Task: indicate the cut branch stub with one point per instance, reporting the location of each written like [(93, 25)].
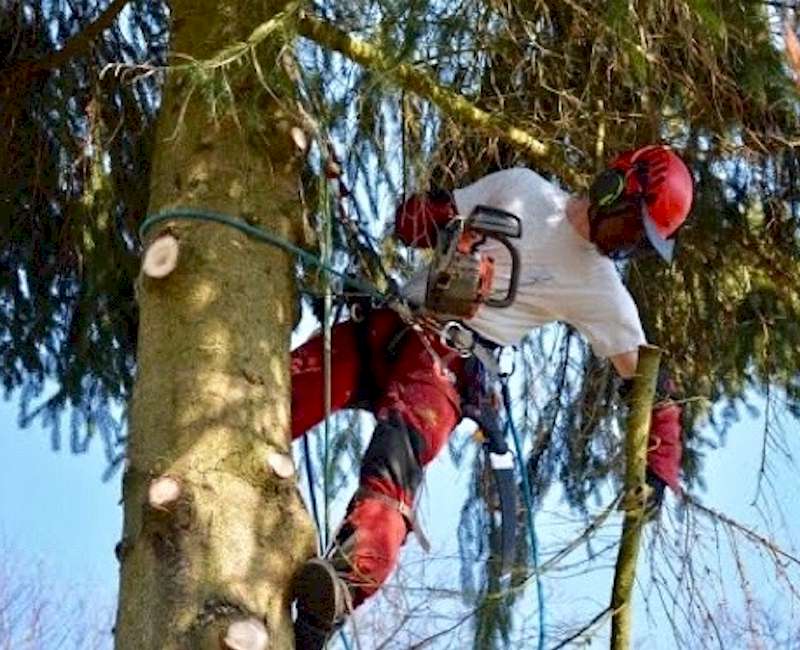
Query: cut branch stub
[(122, 549), (161, 257), (247, 634), (281, 464), (332, 169), (164, 493), (299, 138)]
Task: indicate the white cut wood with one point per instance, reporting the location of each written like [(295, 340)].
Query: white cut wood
[(248, 634), (299, 138), (161, 257), (163, 493), (281, 464)]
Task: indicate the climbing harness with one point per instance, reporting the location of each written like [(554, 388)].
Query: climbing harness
[(468, 343)]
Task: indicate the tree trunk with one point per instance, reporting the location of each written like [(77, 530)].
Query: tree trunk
[(214, 525)]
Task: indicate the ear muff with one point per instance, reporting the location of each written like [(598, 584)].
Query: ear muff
[(608, 200), (607, 189)]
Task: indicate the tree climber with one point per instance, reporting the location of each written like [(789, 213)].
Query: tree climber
[(415, 383)]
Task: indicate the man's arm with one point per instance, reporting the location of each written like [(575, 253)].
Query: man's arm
[(418, 219), (625, 363)]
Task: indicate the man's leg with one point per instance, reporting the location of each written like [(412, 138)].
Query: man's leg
[(353, 375), (308, 378), (359, 367), (416, 413)]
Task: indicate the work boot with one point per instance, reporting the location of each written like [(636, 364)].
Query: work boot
[(322, 598)]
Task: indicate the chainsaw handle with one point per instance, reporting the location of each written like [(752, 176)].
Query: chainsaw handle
[(513, 282)]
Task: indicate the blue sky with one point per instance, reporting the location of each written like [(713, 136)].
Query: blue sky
[(55, 509)]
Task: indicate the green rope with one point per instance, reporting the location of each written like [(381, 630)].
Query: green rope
[(259, 234), (527, 497)]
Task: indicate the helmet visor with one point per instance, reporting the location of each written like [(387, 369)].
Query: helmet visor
[(663, 246)]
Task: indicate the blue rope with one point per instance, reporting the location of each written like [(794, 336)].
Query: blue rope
[(343, 637), (527, 496), (259, 234)]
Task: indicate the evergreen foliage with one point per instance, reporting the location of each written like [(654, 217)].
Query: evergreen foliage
[(75, 160), (587, 79)]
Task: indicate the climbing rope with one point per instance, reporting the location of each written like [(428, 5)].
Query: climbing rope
[(312, 493), (262, 235), (527, 496), (326, 241)]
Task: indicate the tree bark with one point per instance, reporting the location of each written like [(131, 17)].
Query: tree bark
[(636, 436), (213, 531)]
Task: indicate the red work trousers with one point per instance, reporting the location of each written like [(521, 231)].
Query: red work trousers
[(414, 395)]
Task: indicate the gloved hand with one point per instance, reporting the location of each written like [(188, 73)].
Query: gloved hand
[(418, 219), (655, 496), (664, 445)]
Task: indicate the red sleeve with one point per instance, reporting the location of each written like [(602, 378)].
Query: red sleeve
[(664, 446), (418, 219)]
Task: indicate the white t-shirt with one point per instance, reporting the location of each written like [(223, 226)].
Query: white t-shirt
[(562, 276)]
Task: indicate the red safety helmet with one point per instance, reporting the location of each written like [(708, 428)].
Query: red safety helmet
[(657, 180)]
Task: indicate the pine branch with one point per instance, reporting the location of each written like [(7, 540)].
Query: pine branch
[(420, 82), (404, 75), (582, 631), (748, 533)]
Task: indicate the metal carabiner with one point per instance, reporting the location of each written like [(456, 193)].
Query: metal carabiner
[(453, 334), (504, 375), (357, 314)]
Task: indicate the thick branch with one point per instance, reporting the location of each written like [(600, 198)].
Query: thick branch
[(638, 428), (422, 83), (79, 44)]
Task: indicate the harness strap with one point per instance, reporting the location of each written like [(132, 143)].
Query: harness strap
[(401, 507), (469, 343)]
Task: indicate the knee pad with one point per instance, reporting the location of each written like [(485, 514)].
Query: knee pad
[(394, 455)]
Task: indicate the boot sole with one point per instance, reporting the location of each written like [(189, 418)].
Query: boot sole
[(319, 601)]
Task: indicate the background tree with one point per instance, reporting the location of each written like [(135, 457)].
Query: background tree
[(34, 614)]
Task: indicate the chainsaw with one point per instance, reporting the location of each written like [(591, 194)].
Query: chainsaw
[(460, 278)]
